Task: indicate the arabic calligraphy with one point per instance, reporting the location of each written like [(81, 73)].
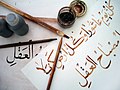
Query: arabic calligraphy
[(107, 54), (88, 29), (46, 67), (22, 53), (117, 32), (86, 69), (113, 48)]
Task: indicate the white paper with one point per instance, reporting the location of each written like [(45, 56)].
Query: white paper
[(89, 60)]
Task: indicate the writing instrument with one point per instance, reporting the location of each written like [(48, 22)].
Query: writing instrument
[(34, 19), (45, 19), (27, 43), (54, 65)]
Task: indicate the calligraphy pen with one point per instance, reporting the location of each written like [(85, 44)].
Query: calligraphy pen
[(54, 65), (34, 19), (27, 43), (53, 20)]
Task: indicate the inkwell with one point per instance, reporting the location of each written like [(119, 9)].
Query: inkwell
[(67, 15), (17, 24), (4, 30)]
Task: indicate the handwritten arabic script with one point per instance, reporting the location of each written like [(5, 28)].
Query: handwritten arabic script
[(87, 30), (26, 52), (99, 49)]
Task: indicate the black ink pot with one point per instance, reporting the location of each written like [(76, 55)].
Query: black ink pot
[(17, 24), (66, 17), (4, 30)]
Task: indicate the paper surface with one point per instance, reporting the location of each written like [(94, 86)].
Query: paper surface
[(43, 61), (89, 60)]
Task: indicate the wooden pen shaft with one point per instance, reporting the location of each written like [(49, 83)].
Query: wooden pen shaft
[(53, 20), (34, 19), (54, 65)]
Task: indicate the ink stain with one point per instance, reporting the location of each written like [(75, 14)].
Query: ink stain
[(77, 64), (109, 43), (114, 55), (40, 47), (95, 52), (60, 52), (63, 67)]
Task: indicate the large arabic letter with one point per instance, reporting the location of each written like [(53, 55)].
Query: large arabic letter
[(43, 68), (84, 85), (85, 30), (117, 32), (100, 62), (114, 46), (9, 61), (111, 8), (80, 42), (59, 65), (89, 85), (47, 72), (93, 66), (64, 51), (72, 49), (60, 61), (90, 33), (50, 56), (13, 64), (86, 81)]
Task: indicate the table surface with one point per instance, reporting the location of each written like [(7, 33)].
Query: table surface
[(12, 78)]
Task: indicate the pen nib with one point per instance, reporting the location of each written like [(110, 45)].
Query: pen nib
[(66, 36)]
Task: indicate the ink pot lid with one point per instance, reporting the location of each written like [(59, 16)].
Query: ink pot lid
[(12, 19), (79, 7)]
